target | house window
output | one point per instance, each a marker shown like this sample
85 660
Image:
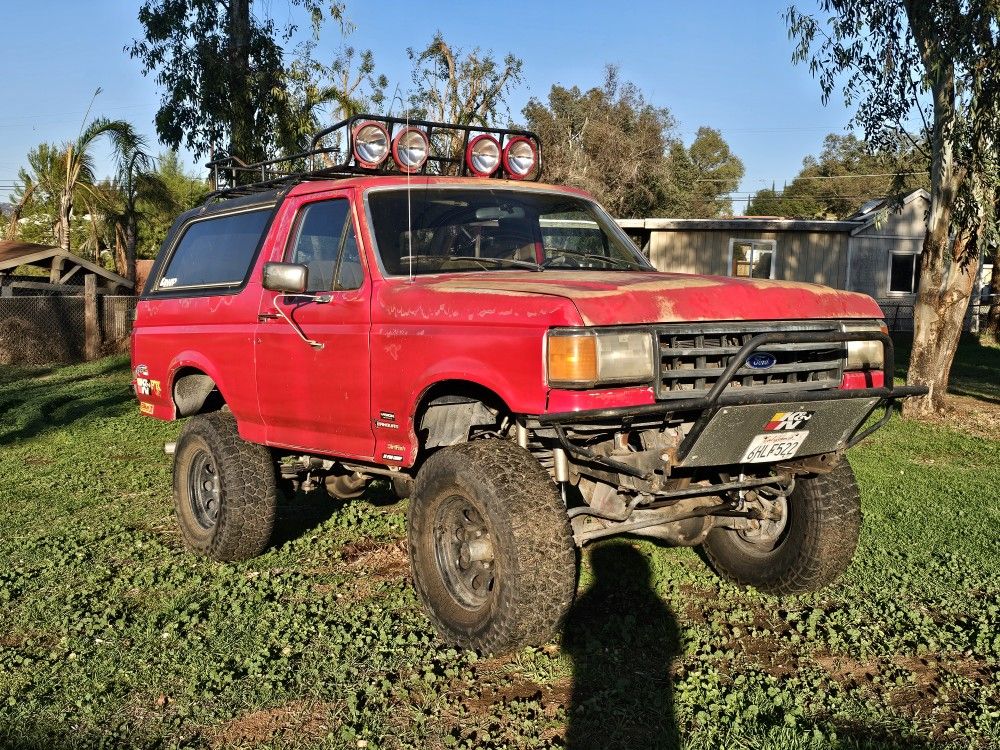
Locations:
904 273
752 259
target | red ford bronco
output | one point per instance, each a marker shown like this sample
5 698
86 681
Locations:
418 307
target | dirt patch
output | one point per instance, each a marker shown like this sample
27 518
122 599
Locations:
970 415
849 671
770 652
374 564
930 698
388 560
301 719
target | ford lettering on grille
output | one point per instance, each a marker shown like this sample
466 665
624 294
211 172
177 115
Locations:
761 361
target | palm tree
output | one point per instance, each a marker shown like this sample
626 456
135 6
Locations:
135 182
78 166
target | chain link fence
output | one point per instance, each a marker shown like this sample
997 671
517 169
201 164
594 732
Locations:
40 330
117 314
899 315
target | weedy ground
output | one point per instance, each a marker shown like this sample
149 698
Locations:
111 635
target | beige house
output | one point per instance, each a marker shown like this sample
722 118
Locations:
875 251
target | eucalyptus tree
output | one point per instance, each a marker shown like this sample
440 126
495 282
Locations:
933 64
461 87
221 69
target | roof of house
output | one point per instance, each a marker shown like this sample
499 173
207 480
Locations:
14 254
756 224
869 213
859 220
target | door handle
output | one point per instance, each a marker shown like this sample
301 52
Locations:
264 317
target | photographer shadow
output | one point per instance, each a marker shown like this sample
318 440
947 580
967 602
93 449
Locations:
622 640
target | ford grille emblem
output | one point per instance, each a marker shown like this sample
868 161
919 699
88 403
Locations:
761 361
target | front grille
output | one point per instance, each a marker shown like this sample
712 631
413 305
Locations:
692 357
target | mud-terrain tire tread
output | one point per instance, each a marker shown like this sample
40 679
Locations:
829 506
537 563
249 491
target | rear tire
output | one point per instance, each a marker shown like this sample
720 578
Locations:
815 548
225 489
491 548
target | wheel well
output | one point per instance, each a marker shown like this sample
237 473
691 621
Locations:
194 392
449 410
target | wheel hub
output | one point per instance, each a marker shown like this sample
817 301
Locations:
767 531
205 490
464 552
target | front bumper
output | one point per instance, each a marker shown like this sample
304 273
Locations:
721 396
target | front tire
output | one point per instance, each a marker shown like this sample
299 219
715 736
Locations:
817 543
491 548
225 489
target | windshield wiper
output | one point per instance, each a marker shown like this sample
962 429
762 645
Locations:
498 261
617 262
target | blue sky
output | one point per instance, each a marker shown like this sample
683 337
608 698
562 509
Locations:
724 64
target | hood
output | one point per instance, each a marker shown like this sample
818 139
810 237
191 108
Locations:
616 298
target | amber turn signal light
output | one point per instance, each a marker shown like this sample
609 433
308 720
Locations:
572 360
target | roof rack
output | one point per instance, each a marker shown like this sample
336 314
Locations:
229 171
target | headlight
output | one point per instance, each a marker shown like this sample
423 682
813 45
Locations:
863 355
583 359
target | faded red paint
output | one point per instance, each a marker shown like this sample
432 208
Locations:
391 340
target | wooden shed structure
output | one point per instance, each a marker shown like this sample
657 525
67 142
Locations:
66 271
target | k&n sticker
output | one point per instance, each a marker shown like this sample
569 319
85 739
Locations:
788 420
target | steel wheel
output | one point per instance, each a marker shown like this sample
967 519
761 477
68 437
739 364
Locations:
204 490
464 552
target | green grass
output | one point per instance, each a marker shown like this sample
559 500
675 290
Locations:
111 635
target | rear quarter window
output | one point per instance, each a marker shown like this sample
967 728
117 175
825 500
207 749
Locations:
215 253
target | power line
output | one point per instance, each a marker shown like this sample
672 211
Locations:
822 177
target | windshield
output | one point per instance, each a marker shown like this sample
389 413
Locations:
482 229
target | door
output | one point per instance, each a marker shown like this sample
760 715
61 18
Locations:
316 398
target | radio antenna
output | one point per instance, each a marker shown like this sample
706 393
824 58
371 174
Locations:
409 211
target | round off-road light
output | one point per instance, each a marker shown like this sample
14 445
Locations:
483 155
371 144
519 157
410 148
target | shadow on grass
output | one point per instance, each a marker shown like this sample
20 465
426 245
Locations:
973 372
56 411
30 407
622 640
300 512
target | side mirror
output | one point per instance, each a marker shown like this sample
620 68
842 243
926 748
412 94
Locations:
290 278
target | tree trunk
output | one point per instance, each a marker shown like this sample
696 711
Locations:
131 240
65 212
241 119
938 317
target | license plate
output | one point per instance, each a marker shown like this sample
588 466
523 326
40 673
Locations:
774 446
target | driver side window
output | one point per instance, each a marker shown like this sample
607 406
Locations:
324 241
